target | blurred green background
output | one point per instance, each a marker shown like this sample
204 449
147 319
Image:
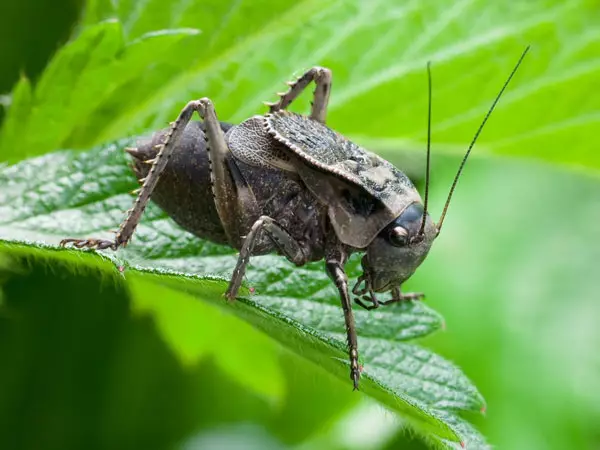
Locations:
515 272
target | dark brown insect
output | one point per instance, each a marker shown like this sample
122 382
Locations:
286 183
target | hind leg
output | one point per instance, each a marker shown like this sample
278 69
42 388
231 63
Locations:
286 244
226 193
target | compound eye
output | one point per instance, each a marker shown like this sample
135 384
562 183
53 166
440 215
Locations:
398 236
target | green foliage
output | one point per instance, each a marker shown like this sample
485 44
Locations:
77 82
299 307
32 30
87 358
245 49
519 241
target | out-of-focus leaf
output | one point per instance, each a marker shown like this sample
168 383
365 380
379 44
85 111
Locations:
76 84
20 104
514 273
248 48
107 365
31 32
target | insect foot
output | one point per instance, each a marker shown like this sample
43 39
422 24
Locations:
288 184
98 244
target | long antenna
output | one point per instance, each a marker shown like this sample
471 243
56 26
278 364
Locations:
462 164
422 230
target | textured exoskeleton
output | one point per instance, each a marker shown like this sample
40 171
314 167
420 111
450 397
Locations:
286 183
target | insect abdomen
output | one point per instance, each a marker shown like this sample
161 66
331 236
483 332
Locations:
184 188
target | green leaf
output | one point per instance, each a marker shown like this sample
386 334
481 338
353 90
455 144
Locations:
84 195
378 48
178 324
97 11
248 49
84 350
20 104
515 275
75 86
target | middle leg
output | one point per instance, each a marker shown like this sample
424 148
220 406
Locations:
322 78
286 244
